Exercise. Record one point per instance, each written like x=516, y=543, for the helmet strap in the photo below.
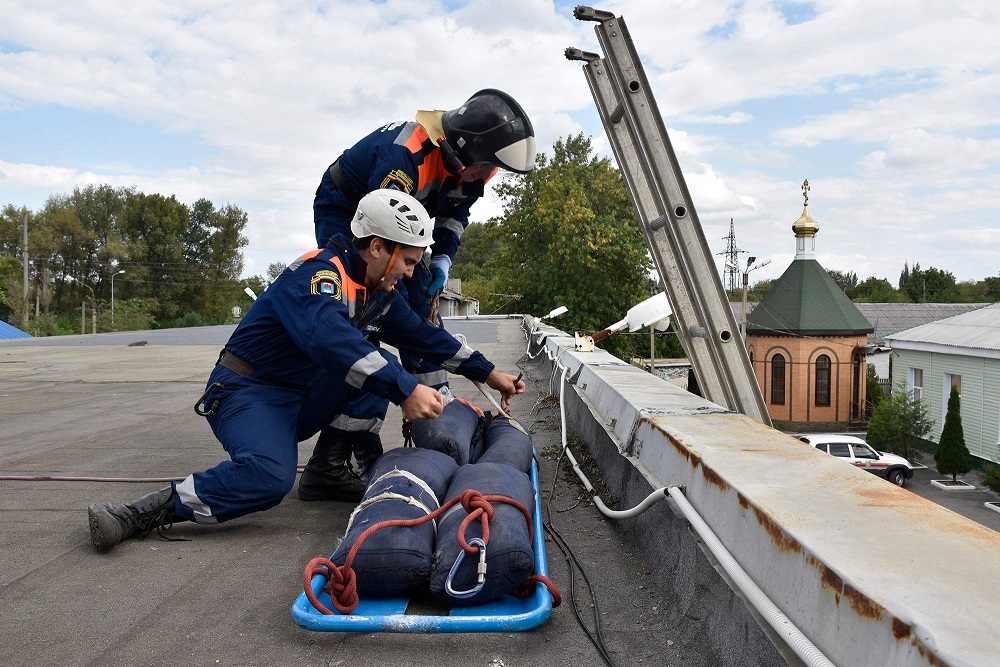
x=449, y=156
x=389, y=266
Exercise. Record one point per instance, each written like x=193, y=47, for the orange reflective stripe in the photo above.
x=311, y=254
x=351, y=292
x=430, y=174
x=415, y=143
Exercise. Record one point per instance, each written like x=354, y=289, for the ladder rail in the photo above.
x=706, y=325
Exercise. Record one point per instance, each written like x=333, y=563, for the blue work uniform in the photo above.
x=399, y=156
x=306, y=346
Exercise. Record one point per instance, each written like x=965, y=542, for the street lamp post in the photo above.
x=746, y=281
x=113, y=296
x=93, y=306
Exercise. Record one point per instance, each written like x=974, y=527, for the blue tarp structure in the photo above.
x=7, y=331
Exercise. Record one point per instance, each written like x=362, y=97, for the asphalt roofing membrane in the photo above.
x=97, y=406
x=102, y=406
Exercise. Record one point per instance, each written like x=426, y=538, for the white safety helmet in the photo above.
x=393, y=215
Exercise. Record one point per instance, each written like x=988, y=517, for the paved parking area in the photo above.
x=970, y=504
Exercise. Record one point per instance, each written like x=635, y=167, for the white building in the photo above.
x=961, y=351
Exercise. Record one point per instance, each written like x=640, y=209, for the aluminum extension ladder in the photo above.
x=704, y=320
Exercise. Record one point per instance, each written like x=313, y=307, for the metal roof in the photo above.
x=890, y=318
x=976, y=330
x=8, y=331
x=806, y=300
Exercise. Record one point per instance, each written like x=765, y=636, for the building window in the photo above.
x=915, y=383
x=949, y=380
x=778, y=380
x=823, y=380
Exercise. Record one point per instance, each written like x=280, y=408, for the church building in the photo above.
x=806, y=342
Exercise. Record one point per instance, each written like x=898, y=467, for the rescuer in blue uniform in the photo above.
x=444, y=159
x=306, y=347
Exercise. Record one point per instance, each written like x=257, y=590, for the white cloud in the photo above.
x=889, y=112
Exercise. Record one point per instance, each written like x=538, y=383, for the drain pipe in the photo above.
x=648, y=502
x=798, y=642
x=793, y=637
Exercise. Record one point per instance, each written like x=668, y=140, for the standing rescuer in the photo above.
x=307, y=347
x=443, y=158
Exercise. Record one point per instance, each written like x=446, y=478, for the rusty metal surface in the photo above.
x=873, y=574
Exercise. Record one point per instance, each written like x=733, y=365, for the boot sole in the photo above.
x=97, y=532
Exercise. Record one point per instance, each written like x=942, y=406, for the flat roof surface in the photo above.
x=96, y=406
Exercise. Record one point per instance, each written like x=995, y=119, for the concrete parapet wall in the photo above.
x=872, y=574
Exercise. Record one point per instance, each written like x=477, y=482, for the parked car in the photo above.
x=859, y=453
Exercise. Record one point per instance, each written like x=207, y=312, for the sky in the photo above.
x=889, y=109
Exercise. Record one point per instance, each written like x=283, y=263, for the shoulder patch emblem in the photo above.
x=397, y=179
x=326, y=282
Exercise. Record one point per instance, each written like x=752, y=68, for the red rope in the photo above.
x=526, y=589
x=341, y=581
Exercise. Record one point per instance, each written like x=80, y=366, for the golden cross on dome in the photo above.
x=805, y=191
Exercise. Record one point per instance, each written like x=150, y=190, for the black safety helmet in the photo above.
x=491, y=127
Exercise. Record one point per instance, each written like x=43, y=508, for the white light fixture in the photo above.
x=654, y=311
x=555, y=313
x=250, y=293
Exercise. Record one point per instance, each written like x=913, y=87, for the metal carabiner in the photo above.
x=205, y=410
x=481, y=571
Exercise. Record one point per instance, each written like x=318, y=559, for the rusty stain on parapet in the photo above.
x=861, y=604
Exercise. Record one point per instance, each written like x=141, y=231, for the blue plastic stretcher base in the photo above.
x=508, y=614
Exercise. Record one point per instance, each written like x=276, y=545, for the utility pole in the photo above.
x=113, y=296
x=732, y=255
x=746, y=281
x=93, y=308
x=24, y=299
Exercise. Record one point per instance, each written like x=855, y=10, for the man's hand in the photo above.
x=437, y=280
x=423, y=403
x=507, y=385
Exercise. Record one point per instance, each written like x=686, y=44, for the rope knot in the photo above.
x=473, y=500
x=341, y=585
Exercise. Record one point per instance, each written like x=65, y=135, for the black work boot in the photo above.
x=328, y=474
x=110, y=524
x=367, y=449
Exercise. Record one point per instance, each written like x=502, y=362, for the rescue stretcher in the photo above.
x=507, y=614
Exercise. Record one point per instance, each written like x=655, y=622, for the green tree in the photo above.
x=154, y=227
x=972, y=291
x=569, y=237
x=877, y=290
x=847, y=282
x=11, y=290
x=759, y=290
x=928, y=286
x=991, y=477
x=274, y=270
x=992, y=288
x=873, y=390
x=952, y=455
x=477, y=247
x=896, y=422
